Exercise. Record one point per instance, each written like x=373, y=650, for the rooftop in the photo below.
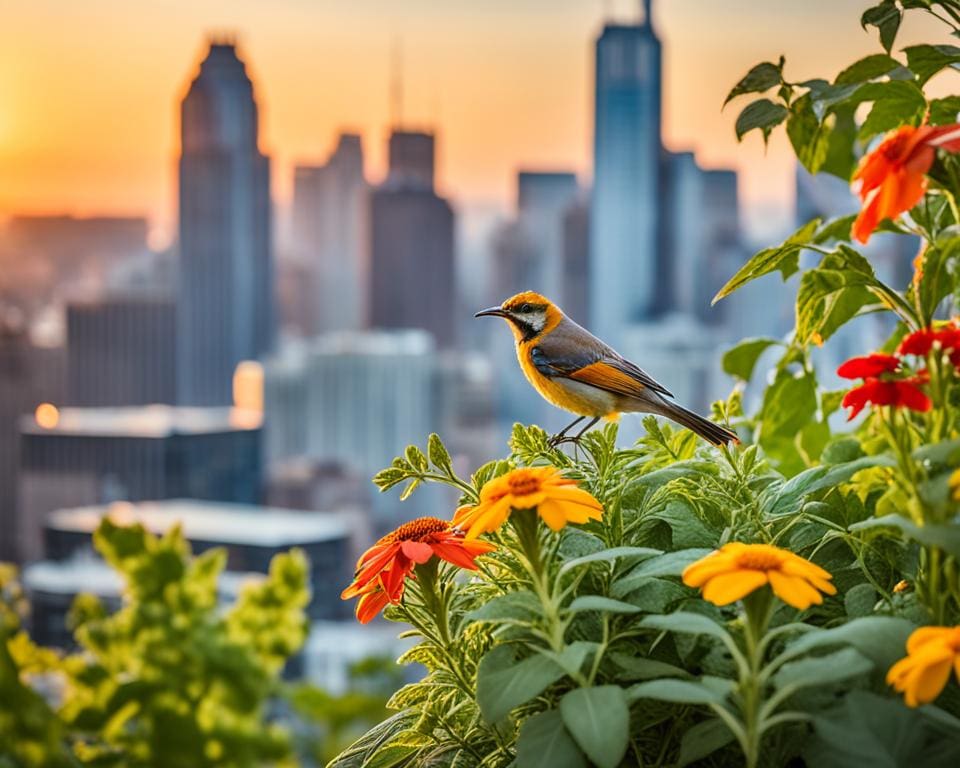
x=143, y=421
x=211, y=522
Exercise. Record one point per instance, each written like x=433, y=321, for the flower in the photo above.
x=737, y=569
x=557, y=500
x=954, y=483
x=946, y=338
x=922, y=674
x=383, y=569
x=905, y=393
x=869, y=365
x=892, y=178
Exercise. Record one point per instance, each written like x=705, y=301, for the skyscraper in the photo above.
x=627, y=147
x=329, y=227
x=542, y=200
x=411, y=246
x=226, y=304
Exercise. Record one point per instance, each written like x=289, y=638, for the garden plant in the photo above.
x=794, y=599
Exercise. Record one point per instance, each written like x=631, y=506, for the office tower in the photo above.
x=542, y=200
x=226, y=304
x=412, y=245
x=627, y=147
x=121, y=351
x=30, y=374
x=97, y=455
x=575, y=294
x=329, y=226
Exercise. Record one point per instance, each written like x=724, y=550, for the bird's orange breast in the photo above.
x=576, y=397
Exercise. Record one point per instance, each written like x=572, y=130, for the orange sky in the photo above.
x=89, y=90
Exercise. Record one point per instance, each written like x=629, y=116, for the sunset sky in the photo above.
x=89, y=90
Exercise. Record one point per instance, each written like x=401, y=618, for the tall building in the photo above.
x=412, y=244
x=329, y=227
x=226, y=302
x=624, y=223
x=98, y=455
x=542, y=201
x=121, y=351
x=575, y=295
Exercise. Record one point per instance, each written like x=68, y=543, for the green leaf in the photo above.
x=810, y=137
x=702, y=739
x=860, y=600
x=868, y=68
x=762, y=114
x=936, y=283
x=512, y=608
x=926, y=60
x=886, y=18
x=740, y=360
x=944, y=111
x=504, y=683
x=438, y=454
x=416, y=459
x=784, y=258
x=678, y=691
x=599, y=720
x=545, y=743
x=687, y=623
x=882, y=639
x=823, y=670
x=759, y=79
x=603, y=604
x=608, y=556
x=631, y=667
x=572, y=657
x=901, y=103
x=945, y=537
x=669, y=564
x=787, y=498
x=397, y=751
x=355, y=755
x=788, y=404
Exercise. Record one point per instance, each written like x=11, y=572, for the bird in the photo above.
x=577, y=372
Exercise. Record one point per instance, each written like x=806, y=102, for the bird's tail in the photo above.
x=712, y=433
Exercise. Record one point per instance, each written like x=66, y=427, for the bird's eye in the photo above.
x=524, y=308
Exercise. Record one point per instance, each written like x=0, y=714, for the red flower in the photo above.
x=868, y=366
x=921, y=342
x=384, y=568
x=905, y=393
x=892, y=178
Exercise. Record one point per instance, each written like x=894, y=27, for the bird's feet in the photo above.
x=560, y=439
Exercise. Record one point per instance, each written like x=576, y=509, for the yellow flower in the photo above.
x=736, y=570
x=924, y=671
x=954, y=483
x=557, y=500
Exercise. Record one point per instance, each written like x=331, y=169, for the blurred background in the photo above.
x=241, y=245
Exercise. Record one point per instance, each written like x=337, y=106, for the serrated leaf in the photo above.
x=760, y=78
x=926, y=60
x=762, y=115
x=504, y=683
x=544, y=742
x=598, y=718
x=784, y=258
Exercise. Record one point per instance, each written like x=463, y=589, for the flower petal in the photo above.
x=794, y=591
x=730, y=587
x=370, y=604
x=417, y=551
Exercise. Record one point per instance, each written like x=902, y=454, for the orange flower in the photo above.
x=383, y=569
x=736, y=570
x=922, y=674
x=892, y=178
x=557, y=500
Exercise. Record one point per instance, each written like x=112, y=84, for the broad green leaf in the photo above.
x=602, y=604
x=788, y=404
x=438, y=454
x=886, y=18
x=544, y=742
x=762, y=114
x=514, y=607
x=702, y=739
x=573, y=656
x=679, y=691
x=946, y=453
x=860, y=600
x=945, y=537
x=882, y=639
x=687, y=623
x=609, y=556
x=944, y=111
x=936, y=283
x=599, y=720
x=788, y=498
x=784, y=258
x=355, y=755
x=650, y=594
x=740, y=360
x=669, y=564
x=904, y=105
x=759, y=79
x=397, y=750
x=868, y=68
x=926, y=60
x=504, y=683
x=835, y=229
x=631, y=667
x=809, y=136
x=823, y=670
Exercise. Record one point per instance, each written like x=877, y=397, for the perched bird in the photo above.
x=572, y=369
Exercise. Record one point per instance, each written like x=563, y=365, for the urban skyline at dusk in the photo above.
x=318, y=70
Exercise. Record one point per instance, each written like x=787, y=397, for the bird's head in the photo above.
x=529, y=314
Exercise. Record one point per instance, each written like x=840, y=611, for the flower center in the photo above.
x=523, y=484
x=759, y=560
x=416, y=530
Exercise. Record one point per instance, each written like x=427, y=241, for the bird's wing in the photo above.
x=575, y=354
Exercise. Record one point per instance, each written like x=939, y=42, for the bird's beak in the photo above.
x=492, y=312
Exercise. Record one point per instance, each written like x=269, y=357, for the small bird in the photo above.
x=572, y=369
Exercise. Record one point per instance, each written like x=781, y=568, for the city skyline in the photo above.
x=540, y=75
